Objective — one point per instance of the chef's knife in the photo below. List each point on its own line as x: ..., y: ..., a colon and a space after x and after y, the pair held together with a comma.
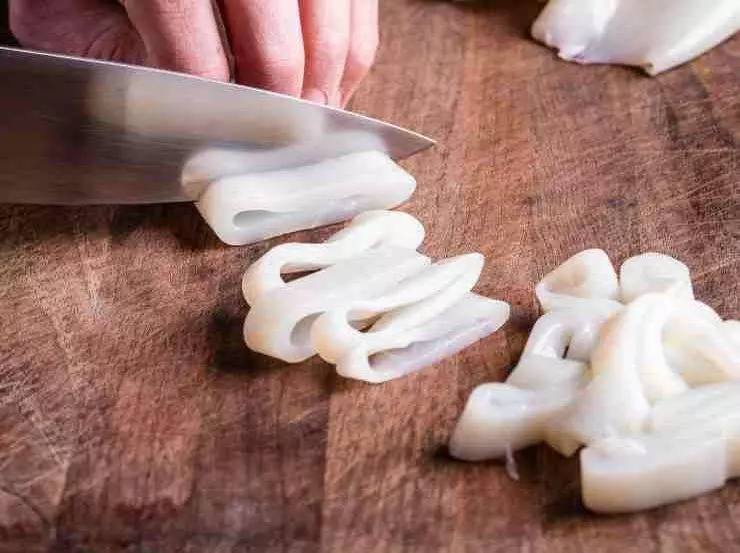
x: 78, y: 131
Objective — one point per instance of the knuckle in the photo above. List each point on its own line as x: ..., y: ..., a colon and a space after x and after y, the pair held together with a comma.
x: 285, y: 65
x: 331, y: 48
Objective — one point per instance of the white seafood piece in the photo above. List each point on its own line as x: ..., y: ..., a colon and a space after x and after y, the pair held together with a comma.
x: 372, y: 229
x: 632, y: 342
x: 654, y: 272
x: 253, y: 207
x: 655, y: 35
x: 586, y: 275
x: 500, y: 418
x: 699, y: 345
x: 404, y: 316
x: 208, y: 165
x: 559, y: 346
x: 540, y: 372
x: 506, y: 417
x: 731, y: 329
x: 279, y: 322
x: 616, y: 378
x: 367, y: 276
x: 572, y: 25
x: 471, y: 319
x: 621, y: 475
x: 551, y: 371
x: 629, y: 371
x: 711, y: 408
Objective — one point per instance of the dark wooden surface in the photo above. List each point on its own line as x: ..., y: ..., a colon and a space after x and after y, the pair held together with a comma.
x: 133, y: 419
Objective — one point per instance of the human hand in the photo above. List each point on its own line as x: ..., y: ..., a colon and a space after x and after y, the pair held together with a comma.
x: 317, y: 49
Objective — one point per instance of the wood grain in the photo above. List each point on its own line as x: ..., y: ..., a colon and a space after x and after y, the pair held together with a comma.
x: 133, y: 419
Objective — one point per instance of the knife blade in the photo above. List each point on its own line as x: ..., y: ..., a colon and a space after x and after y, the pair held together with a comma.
x: 79, y: 131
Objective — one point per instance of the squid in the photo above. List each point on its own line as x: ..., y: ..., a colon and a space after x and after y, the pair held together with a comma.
x: 654, y: 35
x: 248, y: 208
x: 630, y: 369
x: 710, y: 409
x: 691, y: 446
x: 368, y: 231
x: 654, y: 272
x: 585, y: 276
x: 499, y: 419
x: 371, y: 305
x: 553, y: 368
x: 627, y: 474
x: 421, y: 309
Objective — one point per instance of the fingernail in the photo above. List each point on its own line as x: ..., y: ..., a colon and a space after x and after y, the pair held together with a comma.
x: 315, y: 95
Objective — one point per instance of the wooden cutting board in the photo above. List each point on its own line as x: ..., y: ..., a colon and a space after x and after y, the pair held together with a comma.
x: 132, y: 418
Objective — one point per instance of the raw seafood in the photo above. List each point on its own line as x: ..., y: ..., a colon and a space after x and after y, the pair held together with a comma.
x: 655, y: 35
x: 249, y: 208
x: 374, y: 306
x: 647, y: 386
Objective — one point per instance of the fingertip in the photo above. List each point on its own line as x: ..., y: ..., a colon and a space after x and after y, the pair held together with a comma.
x: 346, y: 98
x: 326, y: 35
x: 359, y: 62
x: 316, y: 96
x: 363, y: 48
